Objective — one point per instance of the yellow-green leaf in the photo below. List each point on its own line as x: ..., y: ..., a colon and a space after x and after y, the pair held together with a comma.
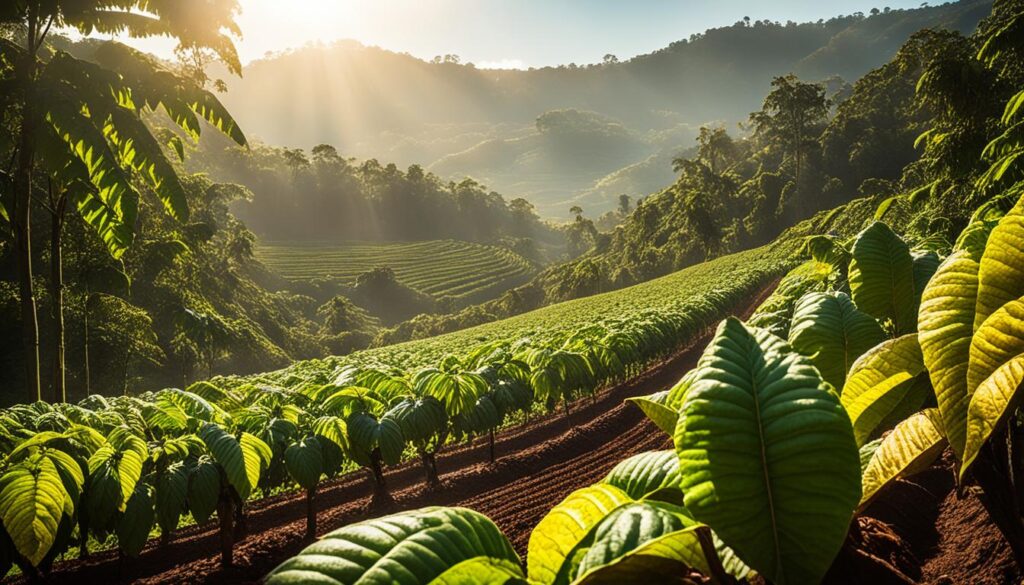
x: 564, y: 527
x: 999, y: 339
x: 1001, y: 275
x: 946, y: 325
x: 992, y: 403
x: 32, y: 499
x: 878, y: 381
x: 656, y: 409
x: 911, y: 447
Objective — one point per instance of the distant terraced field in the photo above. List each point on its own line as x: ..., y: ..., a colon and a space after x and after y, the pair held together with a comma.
x: 462, y: 270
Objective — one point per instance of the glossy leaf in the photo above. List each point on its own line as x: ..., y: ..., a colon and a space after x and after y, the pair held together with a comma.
x: 646, y: 473
x: 767, y: 456
x: 882, y: 277
x: 412, y: 547
x: 878, y: 382
x: 32, y: 500
x: 911, y: 447
x: 991, y: 405
x: 641, y: 543
x: 1001, y: 273
x: 999, y: 339
x: 946, y: 324
x: 557, y: 535
x: 304, y: 461
x: 829, y: 329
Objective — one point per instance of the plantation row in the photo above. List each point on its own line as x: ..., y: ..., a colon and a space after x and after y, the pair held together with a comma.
x: 778, y: 431
x: 113, y: 471
x: 437, y: 268
x: 667, y: 297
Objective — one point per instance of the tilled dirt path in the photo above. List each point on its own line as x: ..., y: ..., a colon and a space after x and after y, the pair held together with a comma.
x: 538, y: 465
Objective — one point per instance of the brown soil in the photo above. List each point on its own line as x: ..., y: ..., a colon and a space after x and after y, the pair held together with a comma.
x: 918, y: 532
x: 921, y: 531
x: 545, y: 459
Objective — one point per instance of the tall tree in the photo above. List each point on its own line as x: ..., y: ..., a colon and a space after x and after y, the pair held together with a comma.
x: 715, y: 147
x: 792, y: 116
x: 82, y: 121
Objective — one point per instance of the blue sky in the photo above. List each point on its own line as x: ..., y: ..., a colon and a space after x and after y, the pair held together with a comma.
x: 510, y: 32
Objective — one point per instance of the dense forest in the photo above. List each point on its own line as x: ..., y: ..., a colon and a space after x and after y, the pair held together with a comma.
x: 470, y: 122
x: 164, y: 308
x: 805, y: 152
x: 361, y: 200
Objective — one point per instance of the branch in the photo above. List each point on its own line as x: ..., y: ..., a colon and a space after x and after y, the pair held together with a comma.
x: 45, y: 30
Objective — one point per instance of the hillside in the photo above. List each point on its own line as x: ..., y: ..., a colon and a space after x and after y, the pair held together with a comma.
x: 481, y: 123
x: 461, y: 272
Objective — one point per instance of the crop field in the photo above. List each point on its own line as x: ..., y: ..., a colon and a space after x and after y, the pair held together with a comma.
x: 439, y: 268
x: 670, y: 296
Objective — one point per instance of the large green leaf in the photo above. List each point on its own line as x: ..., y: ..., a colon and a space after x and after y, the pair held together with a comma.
x: 911, y: 447
x: 203, y: 490
x: 366, y: 433
x: 991, y: 405
x: 482, y: 570
x: 641, y: 543
x: 999, y: 339
x: 332, y: 429
x: 879, y: 381
x: 926, y: 262
x: 32, y: 501
x: 882, y: 277
x: 946, y: 324
x: 557, y: 535
x: 1001, y: 273
x: 257, y: 456
x: 646, y: 473
x: 228, y: 453
x: 767, y: 456
x: 655, y: 406
x: 136, y: 522
x: 420, y: 419
x: 829, y: 329
x: 414, y: 547
x: 171, y: 496
x: 123, y: 465
x: 304, y: 461
x: 457, y: 391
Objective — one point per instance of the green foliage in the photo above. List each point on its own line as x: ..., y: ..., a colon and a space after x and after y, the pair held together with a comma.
x: 832, y: 332
x: 882, y: 277
x: 753, y: 459
x: 391, y: 549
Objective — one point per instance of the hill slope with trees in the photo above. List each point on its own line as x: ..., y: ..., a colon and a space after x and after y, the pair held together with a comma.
x: 486, y: 124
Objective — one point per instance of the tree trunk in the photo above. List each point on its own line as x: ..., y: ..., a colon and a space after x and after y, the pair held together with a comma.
x: 380, y: 488
x: 83, y: 534
x: 490, y: 445
x: 23, y: 220
x: 85, y: 313
x: 311, y: 513
x: 57, y: 300
x: 241, y: 526
x: 430, y: 469
x: 227, y: 536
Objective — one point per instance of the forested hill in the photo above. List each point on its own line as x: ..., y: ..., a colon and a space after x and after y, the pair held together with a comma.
x: 369, y: 102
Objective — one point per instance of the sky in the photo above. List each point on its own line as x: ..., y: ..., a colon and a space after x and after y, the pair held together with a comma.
x: 509, y: 33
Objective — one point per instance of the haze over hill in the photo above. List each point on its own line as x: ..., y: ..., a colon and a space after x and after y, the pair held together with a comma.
x: 561, y: 135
